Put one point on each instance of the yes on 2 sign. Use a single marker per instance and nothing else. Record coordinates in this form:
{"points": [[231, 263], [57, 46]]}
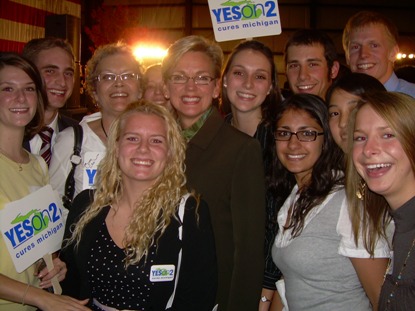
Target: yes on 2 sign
{"points": [[234, 20]]}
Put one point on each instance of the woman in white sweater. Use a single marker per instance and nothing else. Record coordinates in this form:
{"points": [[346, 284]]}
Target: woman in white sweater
{"points": [[113, 81]]}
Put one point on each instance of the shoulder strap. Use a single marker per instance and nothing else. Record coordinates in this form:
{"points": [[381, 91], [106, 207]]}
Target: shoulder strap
{"points": [[75, 160], [78, 139], [181, 212], [179, 261]]}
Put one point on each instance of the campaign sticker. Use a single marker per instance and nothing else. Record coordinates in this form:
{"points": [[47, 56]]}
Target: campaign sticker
{"points": [[162, 273]]}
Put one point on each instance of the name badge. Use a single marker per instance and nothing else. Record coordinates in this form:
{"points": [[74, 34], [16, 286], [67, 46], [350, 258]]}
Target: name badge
{"points": [[162, 273]]}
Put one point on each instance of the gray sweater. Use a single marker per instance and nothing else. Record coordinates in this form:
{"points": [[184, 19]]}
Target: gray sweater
{"points": [[403, 294]]}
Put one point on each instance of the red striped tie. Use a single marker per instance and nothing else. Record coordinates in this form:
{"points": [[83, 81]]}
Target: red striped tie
{"points": [[45, 151]]}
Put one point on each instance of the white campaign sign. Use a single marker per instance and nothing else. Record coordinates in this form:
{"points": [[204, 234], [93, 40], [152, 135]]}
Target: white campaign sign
{"points": [[33, 226], [234, 20]]}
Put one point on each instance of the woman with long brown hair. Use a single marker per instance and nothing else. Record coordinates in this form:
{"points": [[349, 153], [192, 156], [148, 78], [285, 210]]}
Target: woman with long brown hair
{"points": [[381, 185]]}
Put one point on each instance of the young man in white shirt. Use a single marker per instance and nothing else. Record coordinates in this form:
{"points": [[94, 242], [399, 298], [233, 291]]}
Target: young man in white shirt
{"points": [[370, 42], [54, 59]]}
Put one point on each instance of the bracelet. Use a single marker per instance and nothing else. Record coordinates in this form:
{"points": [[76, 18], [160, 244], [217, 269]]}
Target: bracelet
{"points": [[25, 293]]}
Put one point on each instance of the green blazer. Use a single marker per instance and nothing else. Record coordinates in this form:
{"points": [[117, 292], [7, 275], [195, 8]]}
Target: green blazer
{"points": [[225, 166]]}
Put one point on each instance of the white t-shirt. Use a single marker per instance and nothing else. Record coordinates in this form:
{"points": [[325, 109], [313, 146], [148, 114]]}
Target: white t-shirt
{"points": [[317, 271], [347, 246]]}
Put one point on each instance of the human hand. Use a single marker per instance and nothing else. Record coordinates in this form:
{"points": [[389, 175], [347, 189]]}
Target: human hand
{"points": [[52, 302], [59, 270]]}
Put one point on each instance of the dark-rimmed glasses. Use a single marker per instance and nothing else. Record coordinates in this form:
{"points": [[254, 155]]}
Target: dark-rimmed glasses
{"points": [[111, 77], [183, 79], [282, 135]]}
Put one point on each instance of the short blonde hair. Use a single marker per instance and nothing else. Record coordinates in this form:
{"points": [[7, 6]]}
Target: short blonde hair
{"points": [[365, 18], [103, 52], [192, 44]]}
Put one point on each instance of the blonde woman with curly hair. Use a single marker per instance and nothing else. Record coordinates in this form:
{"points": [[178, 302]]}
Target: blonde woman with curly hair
{"points": [[143, 243]]}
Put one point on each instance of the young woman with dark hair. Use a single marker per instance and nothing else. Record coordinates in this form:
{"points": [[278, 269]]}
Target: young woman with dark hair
{"points": [[315, 248]]}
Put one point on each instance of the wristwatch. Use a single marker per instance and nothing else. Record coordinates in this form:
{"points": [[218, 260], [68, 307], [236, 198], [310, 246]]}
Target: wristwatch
{"points": [[265, 299]]}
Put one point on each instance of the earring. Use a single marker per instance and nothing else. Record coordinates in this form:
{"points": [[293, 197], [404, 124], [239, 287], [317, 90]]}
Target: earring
{"points": [[360, 192], [225, 85]]}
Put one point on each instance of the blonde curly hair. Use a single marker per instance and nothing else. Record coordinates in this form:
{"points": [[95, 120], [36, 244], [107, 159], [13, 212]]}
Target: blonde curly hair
{"points": [[152, 214]]}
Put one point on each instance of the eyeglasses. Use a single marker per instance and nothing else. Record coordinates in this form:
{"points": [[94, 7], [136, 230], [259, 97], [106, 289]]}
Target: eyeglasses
{"points": [[111, 77], [183, 79], [282, 135]]}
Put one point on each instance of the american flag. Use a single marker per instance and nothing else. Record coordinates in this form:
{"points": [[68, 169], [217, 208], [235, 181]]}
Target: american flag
{"points": [[23, 20]]}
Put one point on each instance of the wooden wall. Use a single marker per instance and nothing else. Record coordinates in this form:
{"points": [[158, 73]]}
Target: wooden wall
{"points": [[169, 20]]}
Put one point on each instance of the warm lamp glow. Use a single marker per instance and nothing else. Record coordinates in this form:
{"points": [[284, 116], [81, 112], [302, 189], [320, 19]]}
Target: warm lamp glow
{"points": [[403, 56], [143, 52]]}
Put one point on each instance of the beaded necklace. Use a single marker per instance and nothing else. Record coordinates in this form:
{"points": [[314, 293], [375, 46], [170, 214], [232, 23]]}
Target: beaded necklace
{"points": [[396, 285]]}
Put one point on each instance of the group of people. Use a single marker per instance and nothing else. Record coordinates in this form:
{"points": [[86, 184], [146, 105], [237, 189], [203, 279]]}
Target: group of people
{"points": [[192, 192]]}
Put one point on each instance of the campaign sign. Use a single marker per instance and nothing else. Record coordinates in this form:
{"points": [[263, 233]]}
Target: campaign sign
{"points": [[234, 19], [90, 162], [33, 226]]}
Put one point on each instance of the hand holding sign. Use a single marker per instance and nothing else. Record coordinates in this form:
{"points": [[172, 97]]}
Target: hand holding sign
{"points": [[33, 228], [57, 289]]}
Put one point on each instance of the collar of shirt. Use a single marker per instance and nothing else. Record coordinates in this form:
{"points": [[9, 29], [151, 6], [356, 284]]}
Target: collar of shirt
{"points": [[36, 141], [392, 83]]}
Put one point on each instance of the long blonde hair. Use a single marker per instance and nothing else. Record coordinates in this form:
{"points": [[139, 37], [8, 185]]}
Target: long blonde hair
{"points": [[152, 214], [398, 110]]}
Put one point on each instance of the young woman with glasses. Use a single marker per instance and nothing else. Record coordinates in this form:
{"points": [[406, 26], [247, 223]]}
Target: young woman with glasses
{"points": [[113, 81], [314, 247]]}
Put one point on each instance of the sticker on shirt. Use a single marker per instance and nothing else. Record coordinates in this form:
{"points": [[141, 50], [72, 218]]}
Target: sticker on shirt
{"points": [[90, 163], [162, 273]]}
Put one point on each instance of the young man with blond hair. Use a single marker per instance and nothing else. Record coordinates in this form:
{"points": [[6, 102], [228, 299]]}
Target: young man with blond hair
{"points": [[370, 42]]}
